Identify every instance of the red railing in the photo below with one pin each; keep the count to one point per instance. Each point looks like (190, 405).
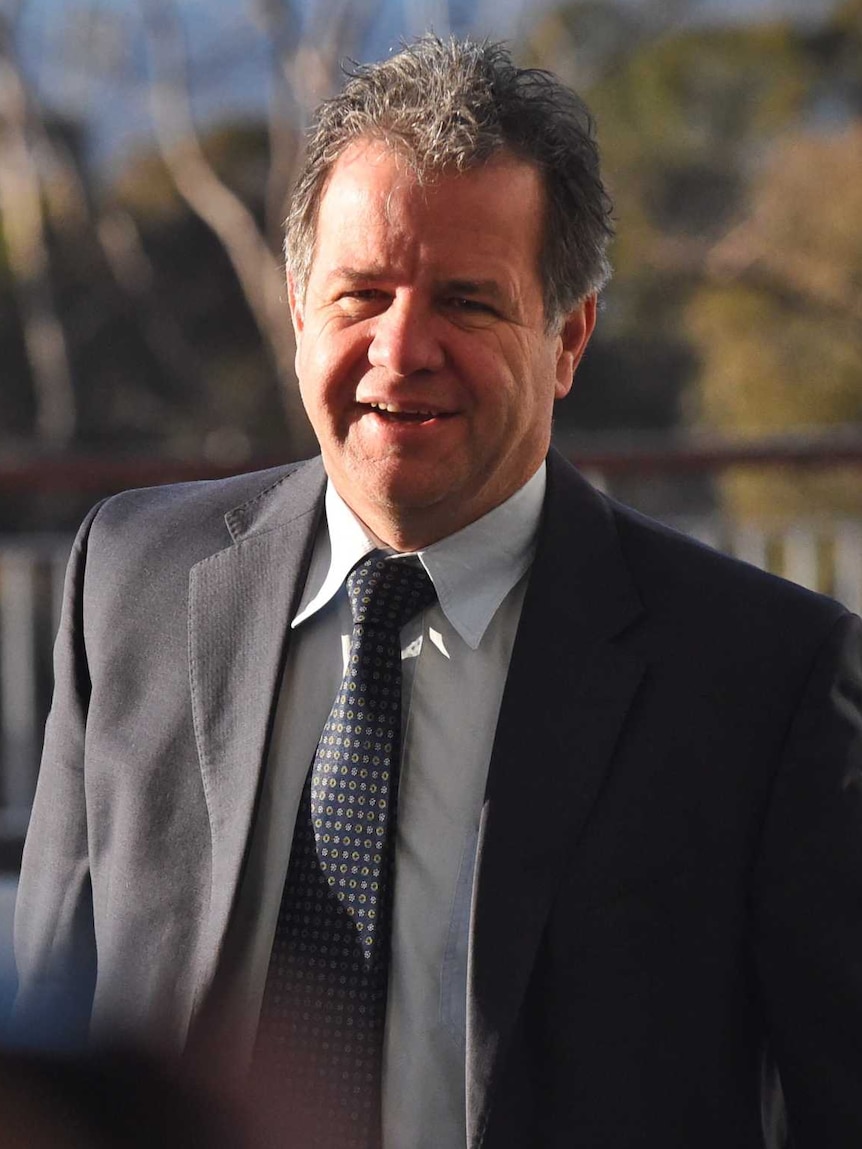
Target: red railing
(613, 457)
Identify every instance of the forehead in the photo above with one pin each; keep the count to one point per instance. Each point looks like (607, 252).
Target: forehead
(373, 199)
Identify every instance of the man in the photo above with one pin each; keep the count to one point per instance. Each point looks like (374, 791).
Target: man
(628, 843)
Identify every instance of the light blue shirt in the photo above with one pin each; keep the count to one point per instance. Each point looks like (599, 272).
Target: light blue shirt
(455, 661)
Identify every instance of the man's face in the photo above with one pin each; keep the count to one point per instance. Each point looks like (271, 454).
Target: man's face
(422, 354)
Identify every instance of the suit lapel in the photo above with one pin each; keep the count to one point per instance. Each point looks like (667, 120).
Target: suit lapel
(241, 601)
(567, 694)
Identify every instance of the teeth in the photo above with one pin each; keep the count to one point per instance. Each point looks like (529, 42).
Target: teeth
(394, 409)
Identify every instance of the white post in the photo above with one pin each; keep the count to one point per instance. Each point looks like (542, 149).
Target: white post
(848, 564)
(18, 717)
(749, 544)
(801, 563)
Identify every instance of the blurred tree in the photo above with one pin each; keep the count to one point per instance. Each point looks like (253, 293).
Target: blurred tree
(23, 211)
(256, 266)
(781, 337)
(735, 302)
(682, 114)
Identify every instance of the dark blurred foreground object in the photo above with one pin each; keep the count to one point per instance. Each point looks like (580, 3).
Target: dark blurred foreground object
(109, 1099)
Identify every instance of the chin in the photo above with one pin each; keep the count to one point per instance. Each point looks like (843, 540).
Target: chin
(407, 499)
(395, 486)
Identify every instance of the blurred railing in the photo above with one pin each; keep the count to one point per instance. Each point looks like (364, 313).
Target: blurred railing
(822, 554)
(31, 579)
(31, 583)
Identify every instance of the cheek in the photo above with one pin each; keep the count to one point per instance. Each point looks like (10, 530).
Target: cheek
(316, 369)
(332, 363)
(314, 394)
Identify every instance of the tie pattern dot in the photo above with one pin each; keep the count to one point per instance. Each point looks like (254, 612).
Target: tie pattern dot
(324, 1005)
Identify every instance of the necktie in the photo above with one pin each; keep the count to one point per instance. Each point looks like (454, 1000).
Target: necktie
(324, 1005)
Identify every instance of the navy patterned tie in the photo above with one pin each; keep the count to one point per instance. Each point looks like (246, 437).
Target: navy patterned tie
(325, 1000)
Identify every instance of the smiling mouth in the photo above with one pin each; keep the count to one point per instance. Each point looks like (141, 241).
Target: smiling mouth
(396, 413)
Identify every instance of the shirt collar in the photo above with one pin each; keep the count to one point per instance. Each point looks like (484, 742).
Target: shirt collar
(472, 570)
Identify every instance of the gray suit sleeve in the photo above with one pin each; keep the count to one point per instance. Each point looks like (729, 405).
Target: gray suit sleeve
(55, 948)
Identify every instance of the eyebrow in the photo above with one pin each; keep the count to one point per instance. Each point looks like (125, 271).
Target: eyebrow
(356, 274)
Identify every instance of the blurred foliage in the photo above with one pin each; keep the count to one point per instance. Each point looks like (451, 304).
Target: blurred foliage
(223, 394)
(782, 347)
(734, 158)
(165, 355)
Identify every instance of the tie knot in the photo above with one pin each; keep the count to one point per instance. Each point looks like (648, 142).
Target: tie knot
(388, 593)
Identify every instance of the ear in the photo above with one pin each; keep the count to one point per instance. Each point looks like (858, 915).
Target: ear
(573, 339)
(296, 306)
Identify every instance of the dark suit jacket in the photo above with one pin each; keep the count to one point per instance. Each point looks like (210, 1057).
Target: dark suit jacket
(669, 877)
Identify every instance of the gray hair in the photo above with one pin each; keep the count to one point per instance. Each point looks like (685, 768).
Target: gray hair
(449, 106)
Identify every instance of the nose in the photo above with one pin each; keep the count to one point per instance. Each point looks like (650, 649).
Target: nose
(405, 339)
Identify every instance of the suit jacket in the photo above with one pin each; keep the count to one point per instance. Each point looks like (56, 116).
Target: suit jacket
(669, 875)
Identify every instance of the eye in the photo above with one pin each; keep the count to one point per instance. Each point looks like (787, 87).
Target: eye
(465, 303)
(468, 311)
(363, 293)
(360, 295)
(357, 302)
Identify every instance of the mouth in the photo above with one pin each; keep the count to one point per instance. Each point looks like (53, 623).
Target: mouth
(402, 413)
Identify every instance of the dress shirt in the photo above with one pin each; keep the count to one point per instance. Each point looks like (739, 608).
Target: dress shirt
(455, 658)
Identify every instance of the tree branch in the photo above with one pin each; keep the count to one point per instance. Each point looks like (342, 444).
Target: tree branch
(257, 270)
(23, 221)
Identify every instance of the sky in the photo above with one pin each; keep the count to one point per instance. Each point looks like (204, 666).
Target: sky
(86, 67)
